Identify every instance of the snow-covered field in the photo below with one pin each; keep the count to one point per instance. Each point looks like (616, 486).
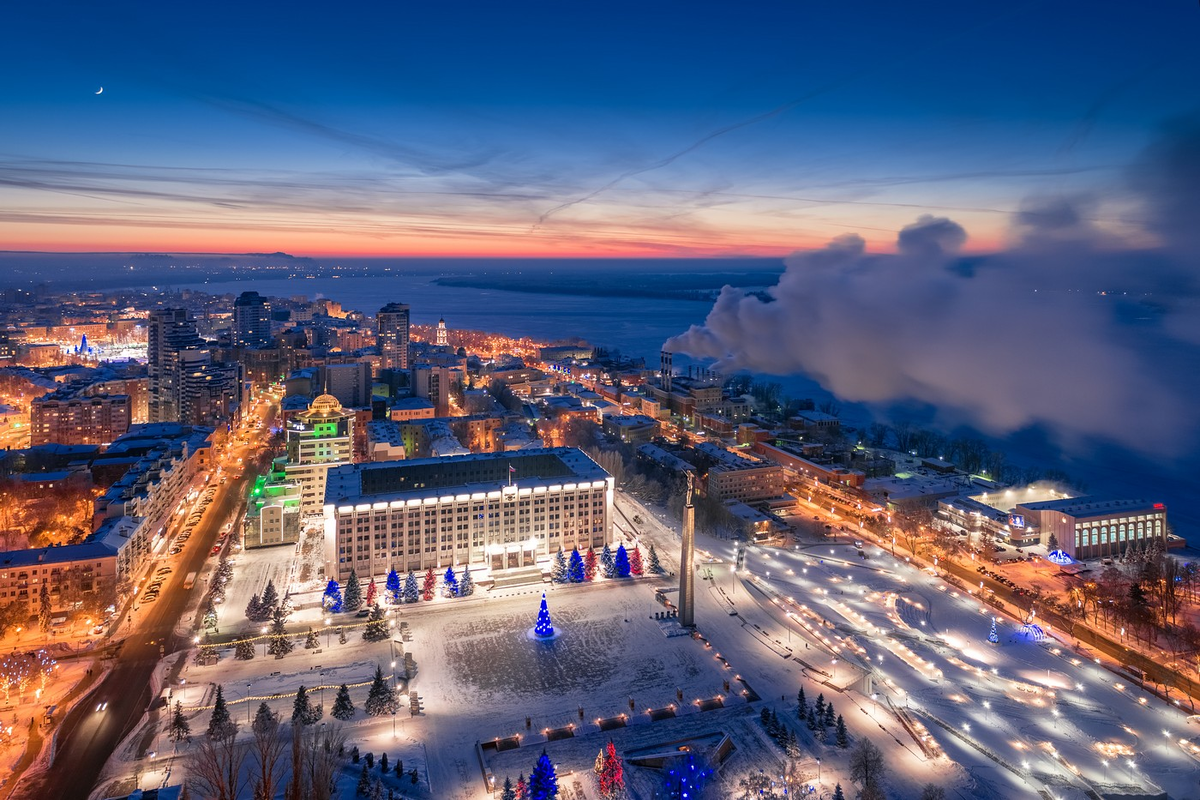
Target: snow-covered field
(902, 655)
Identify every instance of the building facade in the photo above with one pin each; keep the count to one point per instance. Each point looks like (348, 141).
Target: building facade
(1095, 527)
(170, 333)
(349, 383)
(496, 510)
(251, 320)
(97, 419)
(273, 510)
(318, 439)
(735, 477)
(392, 336)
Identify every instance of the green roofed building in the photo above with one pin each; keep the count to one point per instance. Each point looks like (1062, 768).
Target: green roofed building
(273, 509)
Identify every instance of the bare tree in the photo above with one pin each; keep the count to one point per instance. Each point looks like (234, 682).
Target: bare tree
(868, 769)
(215, 768)
(316, 759)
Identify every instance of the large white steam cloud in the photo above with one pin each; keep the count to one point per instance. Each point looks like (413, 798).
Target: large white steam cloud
(1020, 338)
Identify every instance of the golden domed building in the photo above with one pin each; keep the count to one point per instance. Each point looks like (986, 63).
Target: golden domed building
(317, 439)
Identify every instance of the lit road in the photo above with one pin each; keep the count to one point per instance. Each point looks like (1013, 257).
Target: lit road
(87, 736)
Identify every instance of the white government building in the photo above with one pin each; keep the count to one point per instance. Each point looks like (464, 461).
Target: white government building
(497, 510)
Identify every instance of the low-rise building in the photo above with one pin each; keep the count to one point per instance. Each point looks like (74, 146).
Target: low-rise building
(738, 477)
(1096, 527)
(633, 429)
(273, 510)
(500, 510)
(63, 417)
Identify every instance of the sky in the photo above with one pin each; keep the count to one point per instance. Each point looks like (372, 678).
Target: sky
(575, 129)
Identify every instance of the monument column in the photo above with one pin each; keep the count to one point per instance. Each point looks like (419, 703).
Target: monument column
(687, 571)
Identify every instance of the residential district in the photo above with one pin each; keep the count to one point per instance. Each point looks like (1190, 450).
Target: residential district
(272, 547)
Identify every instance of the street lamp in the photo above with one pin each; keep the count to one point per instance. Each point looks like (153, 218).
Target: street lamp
(327, 621)
(248, 703)
(818, 772)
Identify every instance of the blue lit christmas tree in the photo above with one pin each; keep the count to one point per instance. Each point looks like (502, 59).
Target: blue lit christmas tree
(575, 570)
(992, 636)
(543, 628)
(621, 562)
(331, 601)
(393, 587)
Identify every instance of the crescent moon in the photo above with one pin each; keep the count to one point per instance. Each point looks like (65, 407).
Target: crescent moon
(100, 90)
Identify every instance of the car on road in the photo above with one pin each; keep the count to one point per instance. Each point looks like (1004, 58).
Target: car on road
(149, 598)
(215, 549)
(102, 706)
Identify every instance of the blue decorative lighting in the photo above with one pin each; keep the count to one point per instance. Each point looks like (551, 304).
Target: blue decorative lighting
(543, 628)
(1060, 558)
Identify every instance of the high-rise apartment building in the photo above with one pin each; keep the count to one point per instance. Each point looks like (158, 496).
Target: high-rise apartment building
(185, 385)
(251, 320)
(349, 383)
(170, 333)
(392, 336)
(433, 383)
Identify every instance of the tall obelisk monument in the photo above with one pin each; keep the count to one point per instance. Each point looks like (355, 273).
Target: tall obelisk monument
(687, 557)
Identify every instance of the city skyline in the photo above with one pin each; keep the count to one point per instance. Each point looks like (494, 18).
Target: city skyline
(550, 131)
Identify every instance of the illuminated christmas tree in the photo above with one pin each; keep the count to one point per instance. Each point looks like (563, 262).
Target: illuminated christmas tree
(635, 561)
(992, 636)
(543, 628)
(611, 774)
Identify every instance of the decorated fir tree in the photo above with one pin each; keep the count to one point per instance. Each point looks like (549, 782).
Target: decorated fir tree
(611, 775)
(466, 586)
(392, 585)
(372, 595)
(352, 600)
(543, 628)
(558, 569)
(589, 564)
(635, 562)
(410, 593)
(656, 566)
(331, 601)
(430, 585)
(450, 583)
(621, 562)
(575, 571)
(607, 564)
(543, 780)
(312, 641)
